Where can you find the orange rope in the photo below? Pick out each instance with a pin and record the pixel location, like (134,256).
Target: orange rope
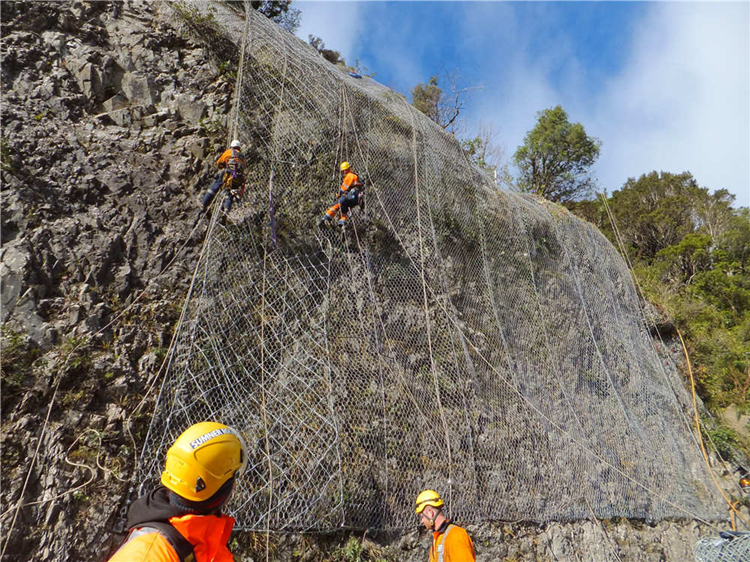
(700,436)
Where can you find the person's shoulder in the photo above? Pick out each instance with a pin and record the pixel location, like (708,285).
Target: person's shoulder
(147,547)
(458,533)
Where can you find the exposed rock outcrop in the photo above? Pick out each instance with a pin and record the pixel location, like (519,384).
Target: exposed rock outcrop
(111,121)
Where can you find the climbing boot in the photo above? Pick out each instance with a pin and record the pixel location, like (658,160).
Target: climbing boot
(342,223)
(323,220)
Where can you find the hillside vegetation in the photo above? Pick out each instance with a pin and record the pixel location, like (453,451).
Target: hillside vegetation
(114,115)
(690,253)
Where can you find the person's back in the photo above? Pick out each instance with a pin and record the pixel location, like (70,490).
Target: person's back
(182,520)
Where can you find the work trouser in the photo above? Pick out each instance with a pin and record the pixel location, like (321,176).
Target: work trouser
(213,190)
(348,200)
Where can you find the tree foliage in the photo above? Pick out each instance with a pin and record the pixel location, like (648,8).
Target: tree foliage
(484,151)
(279,11)
(334,57)
(443,107)
(556,158)
(690,251)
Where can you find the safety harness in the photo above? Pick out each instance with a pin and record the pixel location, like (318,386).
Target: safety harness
(181,545)
(235,169)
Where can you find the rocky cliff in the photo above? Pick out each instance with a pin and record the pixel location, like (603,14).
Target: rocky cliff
(112,117)
(111,123)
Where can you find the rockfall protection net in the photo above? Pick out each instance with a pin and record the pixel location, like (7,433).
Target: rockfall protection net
(726,548)
(455,336)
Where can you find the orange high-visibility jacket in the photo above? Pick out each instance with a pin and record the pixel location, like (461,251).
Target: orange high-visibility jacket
(452,545)
(349,180)
(224,158)
(208,534)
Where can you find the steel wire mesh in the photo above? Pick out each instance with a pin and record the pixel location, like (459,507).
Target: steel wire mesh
(725,548)
(456,336)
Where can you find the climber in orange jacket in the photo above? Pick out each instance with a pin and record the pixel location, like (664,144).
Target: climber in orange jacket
(351,192)
(182,518)
(450,543)
(232,165)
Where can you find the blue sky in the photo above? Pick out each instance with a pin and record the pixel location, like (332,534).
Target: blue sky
(664,85)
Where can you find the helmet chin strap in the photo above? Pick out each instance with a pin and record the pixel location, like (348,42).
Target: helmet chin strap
(431,520)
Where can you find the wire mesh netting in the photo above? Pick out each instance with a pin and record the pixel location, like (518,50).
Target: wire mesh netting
(455,336)
(729,547)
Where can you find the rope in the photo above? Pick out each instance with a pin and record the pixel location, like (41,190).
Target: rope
(304,123)
(391,349)
(541,414)
(425,302)
(699,440)
(31,466)
(116,318)
(581,445)
(639,289)
(698,429)
(238,83)
(263,402)
(68,356)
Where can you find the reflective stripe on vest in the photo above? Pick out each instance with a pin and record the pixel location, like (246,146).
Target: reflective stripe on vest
(184,549)
(441,546)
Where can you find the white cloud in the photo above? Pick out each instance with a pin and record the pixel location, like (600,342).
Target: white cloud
(338,23)
(682,102)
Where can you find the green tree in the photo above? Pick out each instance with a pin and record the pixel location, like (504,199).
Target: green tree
(426,98)
(658,209)
(691,256)
(555,158)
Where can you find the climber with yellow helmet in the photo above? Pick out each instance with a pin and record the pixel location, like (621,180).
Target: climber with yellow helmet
(182,518)
(450,543)
(351,194)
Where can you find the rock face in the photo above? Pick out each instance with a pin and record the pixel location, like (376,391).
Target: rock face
(112,120)
(111,123)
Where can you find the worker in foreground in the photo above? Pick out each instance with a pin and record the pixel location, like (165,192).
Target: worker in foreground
(231,176)
(450,543)
(182,519)
(351,194)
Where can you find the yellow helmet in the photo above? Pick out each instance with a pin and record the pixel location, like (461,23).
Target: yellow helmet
(202,459)
(428,497)
(745,484)
(344,166)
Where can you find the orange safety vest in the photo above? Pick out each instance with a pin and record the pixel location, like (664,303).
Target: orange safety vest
(234,155)
(208,534)
(350,179)
(234,164)
(452,545)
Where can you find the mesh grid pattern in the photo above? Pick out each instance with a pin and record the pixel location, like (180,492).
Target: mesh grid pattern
(455,336)
(720,549)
